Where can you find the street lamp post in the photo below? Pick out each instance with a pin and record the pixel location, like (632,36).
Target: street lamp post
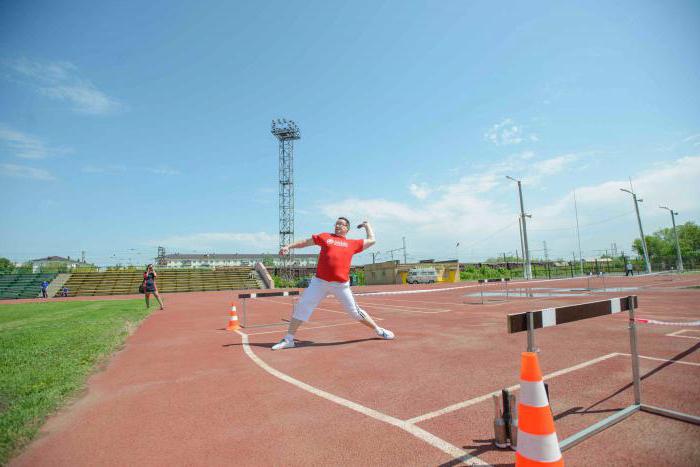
(641,231)
(526,250)
(679,263)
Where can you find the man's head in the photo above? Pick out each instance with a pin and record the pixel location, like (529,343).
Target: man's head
(342,226)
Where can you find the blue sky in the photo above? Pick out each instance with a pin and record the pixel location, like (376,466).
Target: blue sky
(128,125)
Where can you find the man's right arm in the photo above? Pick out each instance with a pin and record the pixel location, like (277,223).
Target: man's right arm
(300,244)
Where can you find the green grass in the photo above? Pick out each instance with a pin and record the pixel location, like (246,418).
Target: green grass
(47,351)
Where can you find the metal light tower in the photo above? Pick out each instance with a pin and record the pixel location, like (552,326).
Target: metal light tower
(526,249)
(675,234)
(641,232)
(286,132)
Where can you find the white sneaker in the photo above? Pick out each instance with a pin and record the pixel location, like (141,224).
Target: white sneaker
(283,344)
(385,334)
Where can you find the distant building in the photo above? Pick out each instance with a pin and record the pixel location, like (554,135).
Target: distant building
(54,262)
(216,260)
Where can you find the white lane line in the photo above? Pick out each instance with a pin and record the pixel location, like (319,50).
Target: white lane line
(476,400)
(663,359)
(401,310)
(405,307)
(304,329)
(317,308)
(676,334)
(446,447)
(409,292)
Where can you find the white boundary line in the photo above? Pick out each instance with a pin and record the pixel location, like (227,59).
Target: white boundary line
(476,400)
(439,443)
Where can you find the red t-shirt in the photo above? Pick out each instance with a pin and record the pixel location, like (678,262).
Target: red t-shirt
(336,255)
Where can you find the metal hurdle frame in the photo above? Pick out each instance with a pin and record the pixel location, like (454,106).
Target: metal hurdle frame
(590,275)
(248,296)
(531,320)
(485,281)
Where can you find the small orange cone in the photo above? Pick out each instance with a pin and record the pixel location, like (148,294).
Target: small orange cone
(233,320)
(537,441)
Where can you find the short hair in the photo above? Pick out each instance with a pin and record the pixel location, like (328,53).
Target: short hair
(347,222)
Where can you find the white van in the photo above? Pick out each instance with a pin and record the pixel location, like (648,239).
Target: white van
(421,276)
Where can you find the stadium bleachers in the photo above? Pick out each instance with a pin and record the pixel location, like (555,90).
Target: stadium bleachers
(169,280)
(14,286)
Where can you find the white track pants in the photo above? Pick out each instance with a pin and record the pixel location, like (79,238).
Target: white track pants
(318,290)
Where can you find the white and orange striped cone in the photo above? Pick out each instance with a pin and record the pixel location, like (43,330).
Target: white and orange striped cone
(537,441)
(233,320)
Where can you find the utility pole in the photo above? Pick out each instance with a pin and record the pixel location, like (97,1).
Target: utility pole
(404,250)
(526,250)
(578,234)
(641,231)
(679,260)
(546,256)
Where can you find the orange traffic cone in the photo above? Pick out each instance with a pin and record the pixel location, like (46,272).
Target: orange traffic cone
(233,320)
(537,440)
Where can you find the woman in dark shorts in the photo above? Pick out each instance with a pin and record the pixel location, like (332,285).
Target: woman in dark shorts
(149,286)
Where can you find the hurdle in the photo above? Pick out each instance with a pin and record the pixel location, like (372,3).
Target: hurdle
(600,275)
(502,280)
(251,296)
(531,320)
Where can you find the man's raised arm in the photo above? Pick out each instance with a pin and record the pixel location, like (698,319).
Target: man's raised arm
(300,244)
(369,241)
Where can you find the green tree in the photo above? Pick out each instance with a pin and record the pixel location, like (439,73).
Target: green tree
(6,266)
(663,242)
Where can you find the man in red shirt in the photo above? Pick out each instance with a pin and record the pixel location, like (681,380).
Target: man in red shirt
(331,279)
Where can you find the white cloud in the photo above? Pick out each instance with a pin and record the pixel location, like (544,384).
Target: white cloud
(21,171)
(164,171)
(419,191)
(478,211)
(26,146)
(554,165)
(62,81)
(110,169)
(221,242)
(508,132)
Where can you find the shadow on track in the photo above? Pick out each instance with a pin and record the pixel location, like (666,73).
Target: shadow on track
(299,344)
(678,357)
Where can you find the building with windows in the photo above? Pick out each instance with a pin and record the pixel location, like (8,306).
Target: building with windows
(219,260)
(58,263)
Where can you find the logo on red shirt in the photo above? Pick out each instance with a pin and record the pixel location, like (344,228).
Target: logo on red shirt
(332,241)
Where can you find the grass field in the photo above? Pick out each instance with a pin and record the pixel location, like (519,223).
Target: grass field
(47,351)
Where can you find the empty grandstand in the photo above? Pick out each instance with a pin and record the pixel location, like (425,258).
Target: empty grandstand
(22,285)
(169,280)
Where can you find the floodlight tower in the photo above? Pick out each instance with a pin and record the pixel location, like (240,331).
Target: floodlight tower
(286,132)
